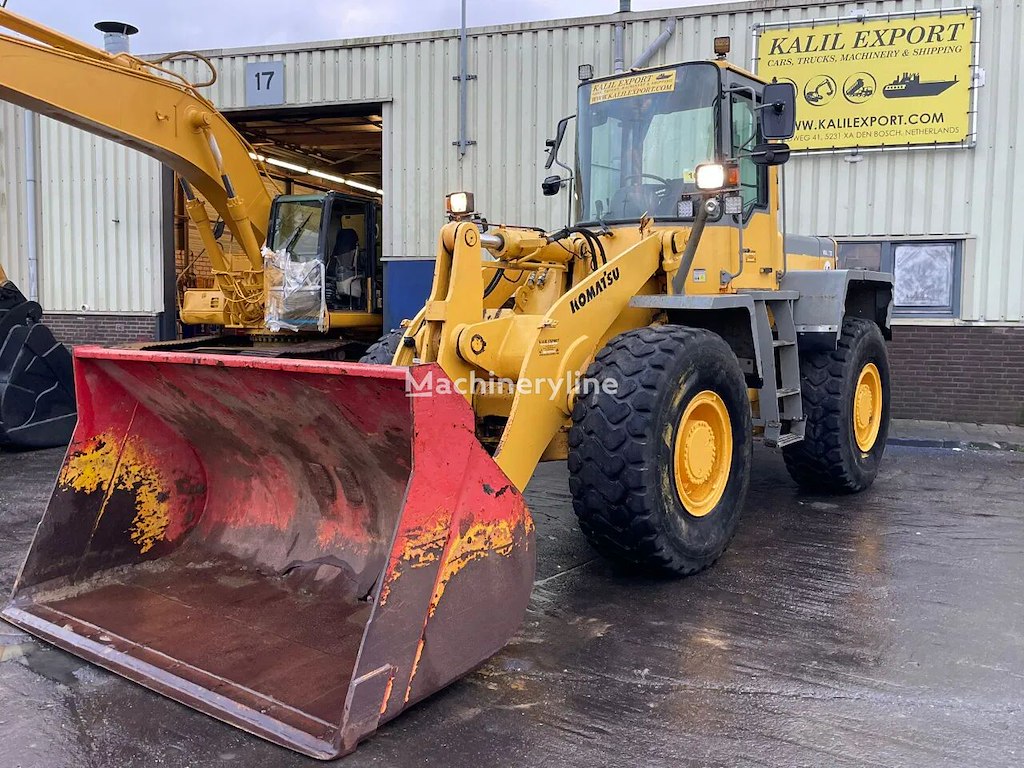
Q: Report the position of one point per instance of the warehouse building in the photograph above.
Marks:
(96, 230)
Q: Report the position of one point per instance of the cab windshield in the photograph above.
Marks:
(640, 138)
(296, 227)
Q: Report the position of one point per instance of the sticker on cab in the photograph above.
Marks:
(636, 85)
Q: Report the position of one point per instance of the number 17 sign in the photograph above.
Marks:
(264, 83)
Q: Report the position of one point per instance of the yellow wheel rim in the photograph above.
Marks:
(703, 453)
(867, 407)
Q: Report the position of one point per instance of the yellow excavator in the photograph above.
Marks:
(306, 548)
(307, 281)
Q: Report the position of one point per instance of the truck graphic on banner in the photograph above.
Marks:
(875, 81)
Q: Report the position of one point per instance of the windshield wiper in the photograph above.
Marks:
(295, 238)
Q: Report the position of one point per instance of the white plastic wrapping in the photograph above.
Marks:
(295, 291)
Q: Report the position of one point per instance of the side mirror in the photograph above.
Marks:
(555, 143)
(770, 154)
(778, 111)
(551, 185)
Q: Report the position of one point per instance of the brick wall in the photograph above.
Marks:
(958, 373)
(938, 372)
(101, 329)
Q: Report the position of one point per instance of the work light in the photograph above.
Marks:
(709, 176)
(459, 203)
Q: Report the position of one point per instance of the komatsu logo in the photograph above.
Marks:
(595, 290)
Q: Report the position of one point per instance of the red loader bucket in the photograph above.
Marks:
(294, 547)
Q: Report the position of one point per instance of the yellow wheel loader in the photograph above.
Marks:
(304, 549)
(37, 393)
(308, 281)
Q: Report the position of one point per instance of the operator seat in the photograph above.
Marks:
(345, 273)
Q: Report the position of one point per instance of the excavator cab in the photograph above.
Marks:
(322, 261)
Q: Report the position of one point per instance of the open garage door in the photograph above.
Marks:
(309, 151)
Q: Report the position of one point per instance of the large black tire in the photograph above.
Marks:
(829, 459)
(622, 449)
(382, 352)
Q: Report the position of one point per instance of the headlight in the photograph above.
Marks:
(459, 203)
(709, 176)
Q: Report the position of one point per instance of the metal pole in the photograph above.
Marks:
(463, 86)
(618, 39)
(31, 205)
(782, 210)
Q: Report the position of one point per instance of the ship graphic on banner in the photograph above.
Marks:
(910, 84)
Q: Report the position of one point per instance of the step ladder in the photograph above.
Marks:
(781, 407)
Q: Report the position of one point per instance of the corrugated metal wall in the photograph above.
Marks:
(13, 252)
(99, 230)
(526, 78)
(100, 239)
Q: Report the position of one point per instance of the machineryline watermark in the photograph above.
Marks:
(555, 387)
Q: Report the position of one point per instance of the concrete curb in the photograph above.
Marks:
(963, 445)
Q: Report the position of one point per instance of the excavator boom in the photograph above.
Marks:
(140, 105)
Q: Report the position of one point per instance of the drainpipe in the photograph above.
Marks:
(657, 45)
(31, 204)
(618, 38)
(463, 77)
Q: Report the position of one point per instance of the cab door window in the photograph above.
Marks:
(347, 261)
(746, 134)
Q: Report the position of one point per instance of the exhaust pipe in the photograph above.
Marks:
(659, 42)
(115, 36)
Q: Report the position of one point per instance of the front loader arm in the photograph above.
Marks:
(566, 339)
(544, 352)
(127, 100)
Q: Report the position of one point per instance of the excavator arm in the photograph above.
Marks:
(140, 105)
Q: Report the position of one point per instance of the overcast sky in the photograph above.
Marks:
(167, 25)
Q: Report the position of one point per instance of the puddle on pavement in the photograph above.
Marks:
(55, 665)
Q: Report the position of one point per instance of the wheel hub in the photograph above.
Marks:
(703, 453)
(867, 407)
(699, 448)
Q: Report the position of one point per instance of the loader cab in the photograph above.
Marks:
(683, 143)
(329, 251)
(641, 137)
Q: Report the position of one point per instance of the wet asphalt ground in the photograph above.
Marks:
(885, 629)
